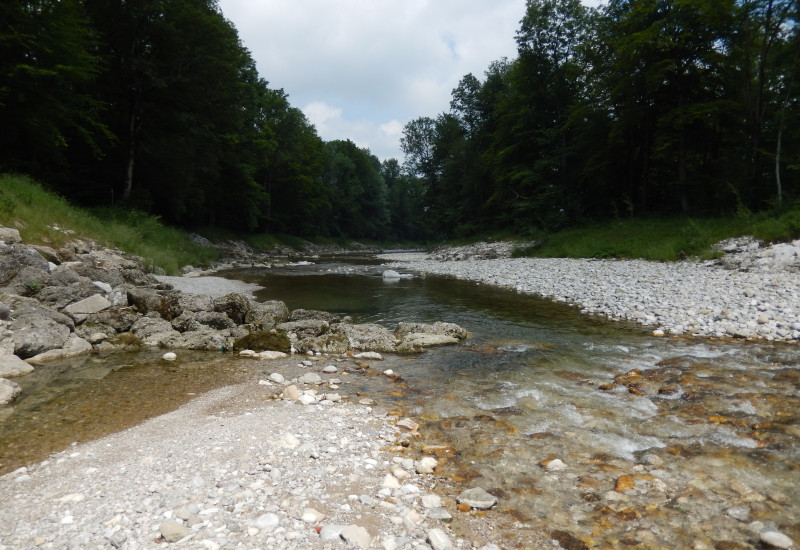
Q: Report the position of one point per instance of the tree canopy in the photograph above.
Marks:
(645, 107)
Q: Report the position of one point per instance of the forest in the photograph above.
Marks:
(645, 108)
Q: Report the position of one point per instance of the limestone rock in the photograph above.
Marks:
(477, 498)
(154, 331)
(439, 540)
(11, 365)
(147, 300)
(8, 391)
(307, 314)
(9, 235)
(357, 536)
(776, 539)
(173, 531)
(236, 306)
(35, 335)
(368, 337)
(87, 306)
(73, 347)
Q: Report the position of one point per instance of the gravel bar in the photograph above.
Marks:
(674, 298)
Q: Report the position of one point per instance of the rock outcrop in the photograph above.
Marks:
(82, 298)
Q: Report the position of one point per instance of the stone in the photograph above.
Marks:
(173, 531)
(236, 306)
(92, 304)
(367, 337)
(311, 515)
(426, 465)
(369, 355)
(408, 424)
(270, 355)
(32, 336)
(477, 498)
(357, 536)
(438, 328)
(431, 501)
(5, 312)
(330, 369)
(310, 378)
(8, 391)
(439, 540)
(267, 522)
(291, 392)
(306, 399)
(277, 378)
(390, 482)
(555, 465)
(147, 300)
(74, 346)
(10, 235)
(330, 533)
(11, 365)
(169, 356)
(776, 539)
(624, 483)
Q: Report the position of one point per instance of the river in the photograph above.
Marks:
(595, 432)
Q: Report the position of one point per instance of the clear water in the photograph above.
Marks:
(701, 428)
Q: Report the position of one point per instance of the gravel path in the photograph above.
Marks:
(676, 298)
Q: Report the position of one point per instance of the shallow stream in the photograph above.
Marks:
(595, 432)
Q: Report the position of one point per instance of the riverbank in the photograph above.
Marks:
(235, 468)
(690, 297)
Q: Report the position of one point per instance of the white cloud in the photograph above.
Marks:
(361, 69)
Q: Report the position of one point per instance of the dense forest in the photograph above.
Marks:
(640, 107)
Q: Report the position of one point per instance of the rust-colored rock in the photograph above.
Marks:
(624, 483)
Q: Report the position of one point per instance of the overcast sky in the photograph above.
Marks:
(361, 69)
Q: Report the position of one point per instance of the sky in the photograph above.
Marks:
(361, 69)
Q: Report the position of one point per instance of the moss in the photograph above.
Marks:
(264, 340)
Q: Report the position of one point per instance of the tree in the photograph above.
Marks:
(47, 73)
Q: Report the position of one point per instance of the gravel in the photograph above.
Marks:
(209, 285)
(673, 298)
(231, 469)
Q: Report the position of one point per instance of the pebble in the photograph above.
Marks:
(169, 356)
(240, 473)
(673, 297)
(776, 539)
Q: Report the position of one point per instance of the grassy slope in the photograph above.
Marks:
(45, 218)
(663, 239)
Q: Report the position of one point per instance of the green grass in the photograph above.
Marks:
(662, 239)
(45, 218)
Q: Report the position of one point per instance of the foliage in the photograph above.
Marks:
(46, 218)
(661, 239)
(647, 108)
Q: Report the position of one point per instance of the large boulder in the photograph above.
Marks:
(201, 320)
(264, 340)
(438, 329)
(205, 339)
(164, 302)
(195, 302)
(29, 281)
(307, 328)
(267, 314)
(333, 343)
(8, 391)
(118, 319)
(32, 336)
(59, 297)
(367, 337)
(153, 331)
(304, 314)
(73, 347)
(11, 365)
(234, 305)
(15, 257)
(81, 310)
(36, 329)
(9, 235)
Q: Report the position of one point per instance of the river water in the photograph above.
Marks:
(595, 432)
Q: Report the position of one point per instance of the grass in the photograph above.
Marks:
(663, 239)
(45, 218)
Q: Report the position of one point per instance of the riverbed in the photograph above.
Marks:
(594, 431)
